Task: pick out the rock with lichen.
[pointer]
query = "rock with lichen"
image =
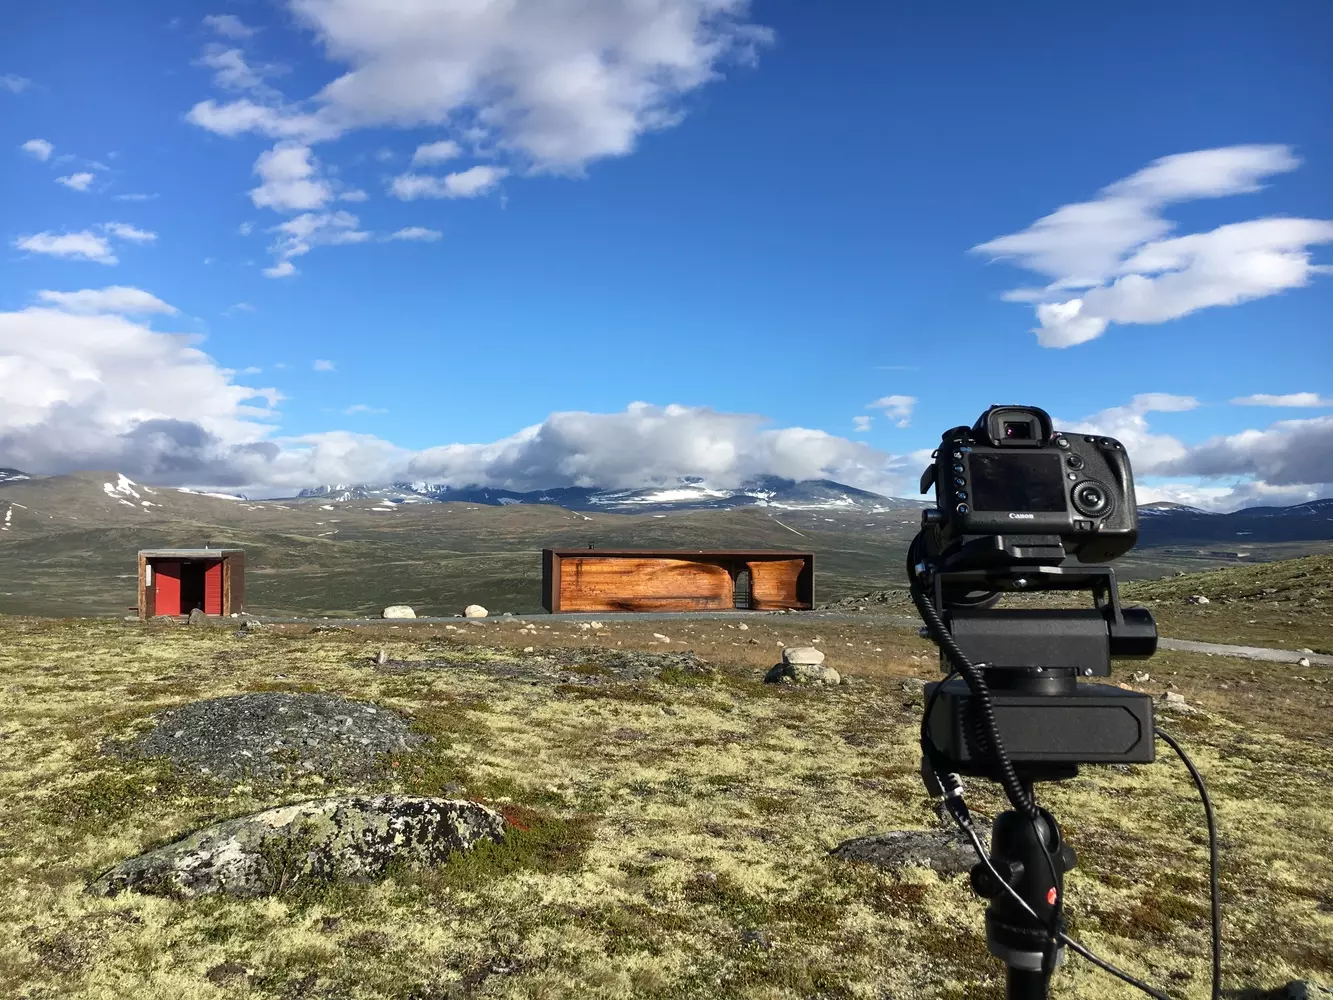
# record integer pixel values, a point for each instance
(354, 838)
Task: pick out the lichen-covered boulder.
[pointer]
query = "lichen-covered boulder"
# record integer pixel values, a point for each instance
(946, 851)
(399, 611)
(352, 838)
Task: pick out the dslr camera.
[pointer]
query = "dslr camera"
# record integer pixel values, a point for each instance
(1012, 474)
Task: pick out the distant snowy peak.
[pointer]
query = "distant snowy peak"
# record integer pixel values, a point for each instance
(1162, 507)
(12, 476)
(687, 493)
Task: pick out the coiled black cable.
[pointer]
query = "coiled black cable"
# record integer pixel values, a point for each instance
(983, 705)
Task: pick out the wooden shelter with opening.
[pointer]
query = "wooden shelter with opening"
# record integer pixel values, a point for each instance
(176, 581)
(600, 580)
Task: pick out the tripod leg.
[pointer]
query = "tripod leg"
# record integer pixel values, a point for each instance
(1020, 984)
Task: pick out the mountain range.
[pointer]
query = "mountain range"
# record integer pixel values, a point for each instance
(687, 493)
(67, 543)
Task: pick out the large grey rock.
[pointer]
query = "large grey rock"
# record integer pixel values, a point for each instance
(475, 611)
(802, 673)
(197, 616)
(1303, 989)
(803, 655)
(399, 611)
(271, 851)
(946, 851)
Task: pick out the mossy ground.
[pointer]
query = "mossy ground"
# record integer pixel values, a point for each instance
(669, 838)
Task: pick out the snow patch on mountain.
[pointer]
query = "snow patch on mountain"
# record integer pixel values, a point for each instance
(123, 485)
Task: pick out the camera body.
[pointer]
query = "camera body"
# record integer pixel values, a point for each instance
(1012, 474)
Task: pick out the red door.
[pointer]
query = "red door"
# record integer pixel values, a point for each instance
(213, 589)
(167, 588)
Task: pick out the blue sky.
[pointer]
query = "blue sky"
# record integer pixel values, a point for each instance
(692, 237)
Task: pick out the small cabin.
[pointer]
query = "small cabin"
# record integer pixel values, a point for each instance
(176, 581)
(602, 580)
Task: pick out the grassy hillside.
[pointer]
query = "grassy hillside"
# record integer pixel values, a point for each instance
(677, 827)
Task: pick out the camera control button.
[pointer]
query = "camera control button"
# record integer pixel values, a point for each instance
(1062, 442)
(963, 508)
(958, 454)
(958, 468)
(1074, 461)
(1082, 525)
(960, 495)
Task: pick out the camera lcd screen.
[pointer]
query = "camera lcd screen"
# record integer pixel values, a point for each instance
(1017, 481)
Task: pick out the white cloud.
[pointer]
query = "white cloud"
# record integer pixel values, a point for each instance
(74, 399)
(436, 152)
(280, 269)
(84, 245)
(245, 228)
(135, 197)
(418, 233)
(245, 307)
(112, 299)
(355, 194)
(124, 231)
(251, 370)
(468, 183)
(76, 182)
(299, 235)
(229, 26)
(1128, 424)
(861, 424)
(1288, 462)
(322, 365)
(233, 72)
(289, 172)
(14, 84)
(244, 115)
(1113, 252)
(39, 148)
(362, 408)
(554, 84)
(896, 408)
(1290, 399)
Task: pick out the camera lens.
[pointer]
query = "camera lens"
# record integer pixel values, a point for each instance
(1091, 498)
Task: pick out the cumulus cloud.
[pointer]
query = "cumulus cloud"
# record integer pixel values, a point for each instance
(112, 299)
(125, 231)
(290, 182)
(436, 152)
(1110, 260)
(553, 83)
(233, 72)
(468, 183)
(417, 233)
(296, 237)
(229, 26)
(78, 403)
(655, 445)
(244, 115)
(83, 245)
(1290, 399)
(1288, 462)
(76, 182)
(14, 84)
(896, 408)
(280, 269)
(38, 148)
(322, 365)
(861, 424)
(74, 399)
